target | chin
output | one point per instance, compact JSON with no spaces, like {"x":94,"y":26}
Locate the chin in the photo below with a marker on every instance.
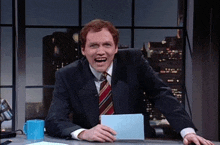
{"x":100,"y":69}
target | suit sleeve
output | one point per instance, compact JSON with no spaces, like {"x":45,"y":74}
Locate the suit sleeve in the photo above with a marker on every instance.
{"x":162,"y":97}
{"x":57,"y":122}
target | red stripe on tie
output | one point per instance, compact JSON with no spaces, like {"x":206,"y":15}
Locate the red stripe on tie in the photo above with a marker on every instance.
{"x":104,"y":93}
{"x":105,"y":98}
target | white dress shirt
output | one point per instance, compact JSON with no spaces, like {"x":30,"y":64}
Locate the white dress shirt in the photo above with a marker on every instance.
{"x":98,"y":81}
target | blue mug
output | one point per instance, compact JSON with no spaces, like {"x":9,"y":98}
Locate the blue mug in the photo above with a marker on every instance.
{"x":34,"y":129}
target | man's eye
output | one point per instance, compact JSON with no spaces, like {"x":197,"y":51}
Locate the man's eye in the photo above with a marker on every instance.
{"x":107,"y":45}
{"x":94,"y":46}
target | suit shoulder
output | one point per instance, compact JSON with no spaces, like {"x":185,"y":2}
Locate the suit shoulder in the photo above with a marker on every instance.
{"x":129,"y":55}
{"x":73,"y":67}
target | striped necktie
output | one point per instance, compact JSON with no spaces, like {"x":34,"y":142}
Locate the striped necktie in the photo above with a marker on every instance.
{"x":105,"y":97}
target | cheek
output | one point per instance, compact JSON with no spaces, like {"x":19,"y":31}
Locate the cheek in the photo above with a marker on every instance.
{"x":112,"y":53}
{"x":88,"y":52}
{"x":90,"y":55}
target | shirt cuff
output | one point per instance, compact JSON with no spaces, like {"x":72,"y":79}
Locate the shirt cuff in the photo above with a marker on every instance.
{"x":75,"y":133}
{"x":186,"y":131}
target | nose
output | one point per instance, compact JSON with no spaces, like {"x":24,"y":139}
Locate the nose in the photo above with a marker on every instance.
{"x":101,"y":50}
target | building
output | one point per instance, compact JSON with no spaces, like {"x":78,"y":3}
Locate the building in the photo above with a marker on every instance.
{"x":166,"y":59}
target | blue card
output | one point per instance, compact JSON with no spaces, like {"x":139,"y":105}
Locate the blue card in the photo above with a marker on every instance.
{"x":127,"y":126}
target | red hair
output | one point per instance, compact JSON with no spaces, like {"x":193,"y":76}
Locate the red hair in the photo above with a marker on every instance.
{"x":96,"y":26}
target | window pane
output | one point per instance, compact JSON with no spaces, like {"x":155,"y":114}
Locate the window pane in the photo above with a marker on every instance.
{"x":6,"y":56}
{"x":6,"y":93}
{"x":143,"y":36}
{"x":116,"y":11}
{"x":163,"y":49}
{"x":34,"y":54}
{"x":156,"y":12}
{"x":52,"y":12}
{"x":47,"y":50}
{"x":34,"y":99}
{"x":124,"y":38}
{"x":6,"y":12}
{"x":37,"y":102}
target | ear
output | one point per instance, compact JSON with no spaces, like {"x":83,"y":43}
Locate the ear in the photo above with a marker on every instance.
{"x":82,"y":50}
{"x":116,"y":49}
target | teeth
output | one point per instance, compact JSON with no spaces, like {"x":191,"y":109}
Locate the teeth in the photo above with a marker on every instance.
{"x":100,"y":59}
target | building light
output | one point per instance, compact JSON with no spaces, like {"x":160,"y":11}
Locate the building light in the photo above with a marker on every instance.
{"x":164,"y":42}
{"x":170,"y":80}
{"x":76,"y":37}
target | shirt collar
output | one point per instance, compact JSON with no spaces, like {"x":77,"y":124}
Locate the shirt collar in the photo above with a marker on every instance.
{"x":98,"y":75}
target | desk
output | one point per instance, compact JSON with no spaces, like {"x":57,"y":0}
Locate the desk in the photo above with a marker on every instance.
{"x":21,"y":140}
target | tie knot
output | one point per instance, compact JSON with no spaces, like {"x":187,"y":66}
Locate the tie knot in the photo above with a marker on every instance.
{"x":104,"y":74}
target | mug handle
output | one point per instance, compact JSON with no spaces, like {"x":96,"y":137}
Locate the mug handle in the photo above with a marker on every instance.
{"x":25,"y":128}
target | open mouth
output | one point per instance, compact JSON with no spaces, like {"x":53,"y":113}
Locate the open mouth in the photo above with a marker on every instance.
{"x":100,"y":59}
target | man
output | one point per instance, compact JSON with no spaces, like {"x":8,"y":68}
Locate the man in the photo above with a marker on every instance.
{"x":77,"y":90}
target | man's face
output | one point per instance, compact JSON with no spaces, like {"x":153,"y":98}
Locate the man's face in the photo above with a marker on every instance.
{"x":100,"y":49}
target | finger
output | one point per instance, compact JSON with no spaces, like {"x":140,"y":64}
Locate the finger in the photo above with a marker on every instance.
{"x":104,"y":132}
{"x":207,"y":142}
{"x":96,"y":136}
{"x":108,"y":135}
{"x":195,"y":141}
{"x":99,"y":139}
{"x":104,"y":137}
{"x":185,"y":141}
{"x":109,"y":129}
{"x":92,"y":135}
{"x":106,"y":129}
{"x":204,"y":141}
{"x":211,"y":143}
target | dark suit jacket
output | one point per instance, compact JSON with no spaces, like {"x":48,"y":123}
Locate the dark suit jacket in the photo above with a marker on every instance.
{"x":75,"y":92}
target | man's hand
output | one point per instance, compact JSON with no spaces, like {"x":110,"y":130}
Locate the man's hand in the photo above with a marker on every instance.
{"x":98,"y":133}
{"x":198,"y":140}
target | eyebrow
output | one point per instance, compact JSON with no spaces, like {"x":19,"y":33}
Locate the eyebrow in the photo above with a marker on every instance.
{"x":93,"y":43}
{"x":96,"y":43}
{"x":108,"y":42}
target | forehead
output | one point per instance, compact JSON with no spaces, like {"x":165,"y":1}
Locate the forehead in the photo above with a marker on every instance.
{"x":103,"y":35}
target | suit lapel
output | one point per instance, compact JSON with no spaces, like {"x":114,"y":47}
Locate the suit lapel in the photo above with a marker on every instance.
{"x":89,"y":96}
{"x":120,"y":88}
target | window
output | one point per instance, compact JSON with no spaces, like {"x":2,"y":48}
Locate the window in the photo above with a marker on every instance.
{"x":6,"y":56}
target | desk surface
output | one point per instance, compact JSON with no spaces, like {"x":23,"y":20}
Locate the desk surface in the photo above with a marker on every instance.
{"x":21,"y":139}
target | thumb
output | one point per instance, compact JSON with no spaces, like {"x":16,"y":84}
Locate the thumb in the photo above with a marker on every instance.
{"x":185,"y":141}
